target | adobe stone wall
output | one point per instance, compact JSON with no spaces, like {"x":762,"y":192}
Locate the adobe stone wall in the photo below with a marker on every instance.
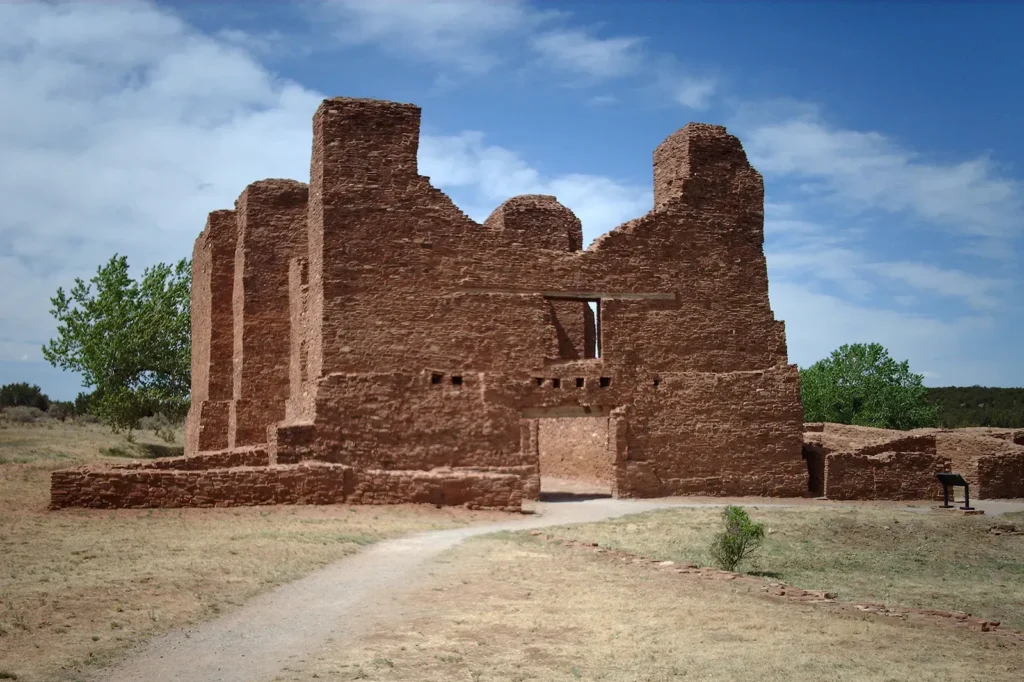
{"x":963,"y":451}
{"x":902,"y":469}
{"x":576,"y":448}
{"x":304,"y":483}
{"x":271,"y":231}
{"x":206,"y":426}
{"x":999,"y":475}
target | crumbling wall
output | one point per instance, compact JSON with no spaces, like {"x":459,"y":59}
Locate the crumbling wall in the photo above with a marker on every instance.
{"x":304,"y":483}
{"x":999,"y":475}
{"x":576,"y":448}
{"x":271,"y":232}
{"x":962,"y":450}
{"x":883,"y":476}
{"x":206,"y":427}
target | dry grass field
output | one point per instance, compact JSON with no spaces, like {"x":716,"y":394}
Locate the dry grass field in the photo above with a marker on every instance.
{"x":513,"y":608}
{"x":926,"y":559}
{"x":78,"y":587}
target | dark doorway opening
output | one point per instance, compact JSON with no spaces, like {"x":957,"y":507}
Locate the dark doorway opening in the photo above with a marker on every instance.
{"x":815,"y":459}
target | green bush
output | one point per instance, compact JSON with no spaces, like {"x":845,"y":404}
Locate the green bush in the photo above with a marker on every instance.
{"x":23,"y":414}
{"x":740,"y":539}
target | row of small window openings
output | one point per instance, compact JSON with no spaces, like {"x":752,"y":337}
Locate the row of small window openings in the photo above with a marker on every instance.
{"x":604,"y":382}
{"x":438,"y":378}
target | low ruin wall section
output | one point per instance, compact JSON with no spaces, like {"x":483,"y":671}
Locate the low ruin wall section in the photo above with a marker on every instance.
{"x":305,"y":483}
{"x":886,"y":476}
{"x":999,"y":476}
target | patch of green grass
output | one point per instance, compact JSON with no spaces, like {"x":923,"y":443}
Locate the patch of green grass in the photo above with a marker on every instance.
{"x":119,"y":451}
{"x":924,"y":560}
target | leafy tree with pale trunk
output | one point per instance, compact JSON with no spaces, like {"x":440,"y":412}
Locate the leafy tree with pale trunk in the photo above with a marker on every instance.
{"x":130,"y":340}
{"x":860,"y":384}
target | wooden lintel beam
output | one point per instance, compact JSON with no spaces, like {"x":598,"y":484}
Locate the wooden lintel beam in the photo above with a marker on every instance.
{"x":582,"y":295}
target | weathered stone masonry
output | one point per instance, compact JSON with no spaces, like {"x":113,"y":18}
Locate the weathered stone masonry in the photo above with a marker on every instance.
{"x":365,"y":322}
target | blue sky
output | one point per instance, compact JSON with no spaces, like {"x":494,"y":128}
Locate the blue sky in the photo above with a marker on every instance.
{"x":888,"y":135}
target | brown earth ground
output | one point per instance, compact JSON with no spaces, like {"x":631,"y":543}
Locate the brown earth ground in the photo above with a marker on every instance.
{"x":80,"y":587}
{"x":514,"y":607}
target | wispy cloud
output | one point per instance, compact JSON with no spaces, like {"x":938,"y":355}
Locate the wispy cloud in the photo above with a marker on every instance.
{"x":456,"y":33}
{"x":578,"y":51}
{"x":867,"y":170}
{"x":475,"y":37}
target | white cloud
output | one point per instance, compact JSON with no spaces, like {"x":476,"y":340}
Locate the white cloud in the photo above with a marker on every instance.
{"x":867,"y":170}
{"x":979,"y":292}
{"x":602,"y":100}
{"x":805,"y":251}
{"x":474,"y":37}
{"x":694,"y":93}
{"x":578,"y":51}
{"x":817,"y":324}
{"x":120,"y":128}
{"x":457,"y":33}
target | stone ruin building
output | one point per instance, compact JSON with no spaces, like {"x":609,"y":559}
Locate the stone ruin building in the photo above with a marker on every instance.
{"x":863,"y":463}
{"x":361,"y":339}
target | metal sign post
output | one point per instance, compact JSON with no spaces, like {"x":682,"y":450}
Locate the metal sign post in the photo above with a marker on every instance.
{"x":950,"y":480}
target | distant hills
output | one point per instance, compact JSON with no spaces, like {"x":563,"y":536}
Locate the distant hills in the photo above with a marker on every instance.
{"x":979,"y":406}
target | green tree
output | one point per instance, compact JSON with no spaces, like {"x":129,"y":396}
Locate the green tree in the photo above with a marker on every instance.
{"x":23,"y":395}
{"x":130,"y":340}
{"x":860,"y":384}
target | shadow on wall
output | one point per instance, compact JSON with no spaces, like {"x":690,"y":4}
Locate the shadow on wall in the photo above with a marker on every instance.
{"x":565,"y":496}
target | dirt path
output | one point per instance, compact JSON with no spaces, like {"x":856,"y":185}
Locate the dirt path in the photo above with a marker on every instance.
{"x":340,"y":603}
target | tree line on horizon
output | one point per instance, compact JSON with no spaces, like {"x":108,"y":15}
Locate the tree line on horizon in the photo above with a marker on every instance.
{"x":130,"y":341}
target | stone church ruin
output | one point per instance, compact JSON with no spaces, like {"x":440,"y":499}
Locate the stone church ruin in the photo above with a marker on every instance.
{"x":359,"y":339}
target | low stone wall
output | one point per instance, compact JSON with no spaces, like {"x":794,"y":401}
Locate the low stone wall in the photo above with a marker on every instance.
{"x":441,"y":487}
{"x":884,"y":476}
{"x":999,"y":475}
{"x":305,"y":483}
{"x":242,"y":457}
{"x":292,"y":443}
{"x":528,"y":474}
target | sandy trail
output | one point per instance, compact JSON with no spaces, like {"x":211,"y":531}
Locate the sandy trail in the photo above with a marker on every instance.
{"x":339,"y":602}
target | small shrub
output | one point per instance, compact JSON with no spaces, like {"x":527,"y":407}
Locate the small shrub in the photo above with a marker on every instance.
{"x":160,"y":425}
{"x":61,"y":409}
{"x":23,"y":414}
{"x":740,"y":539}
{"x":117,"y":452}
